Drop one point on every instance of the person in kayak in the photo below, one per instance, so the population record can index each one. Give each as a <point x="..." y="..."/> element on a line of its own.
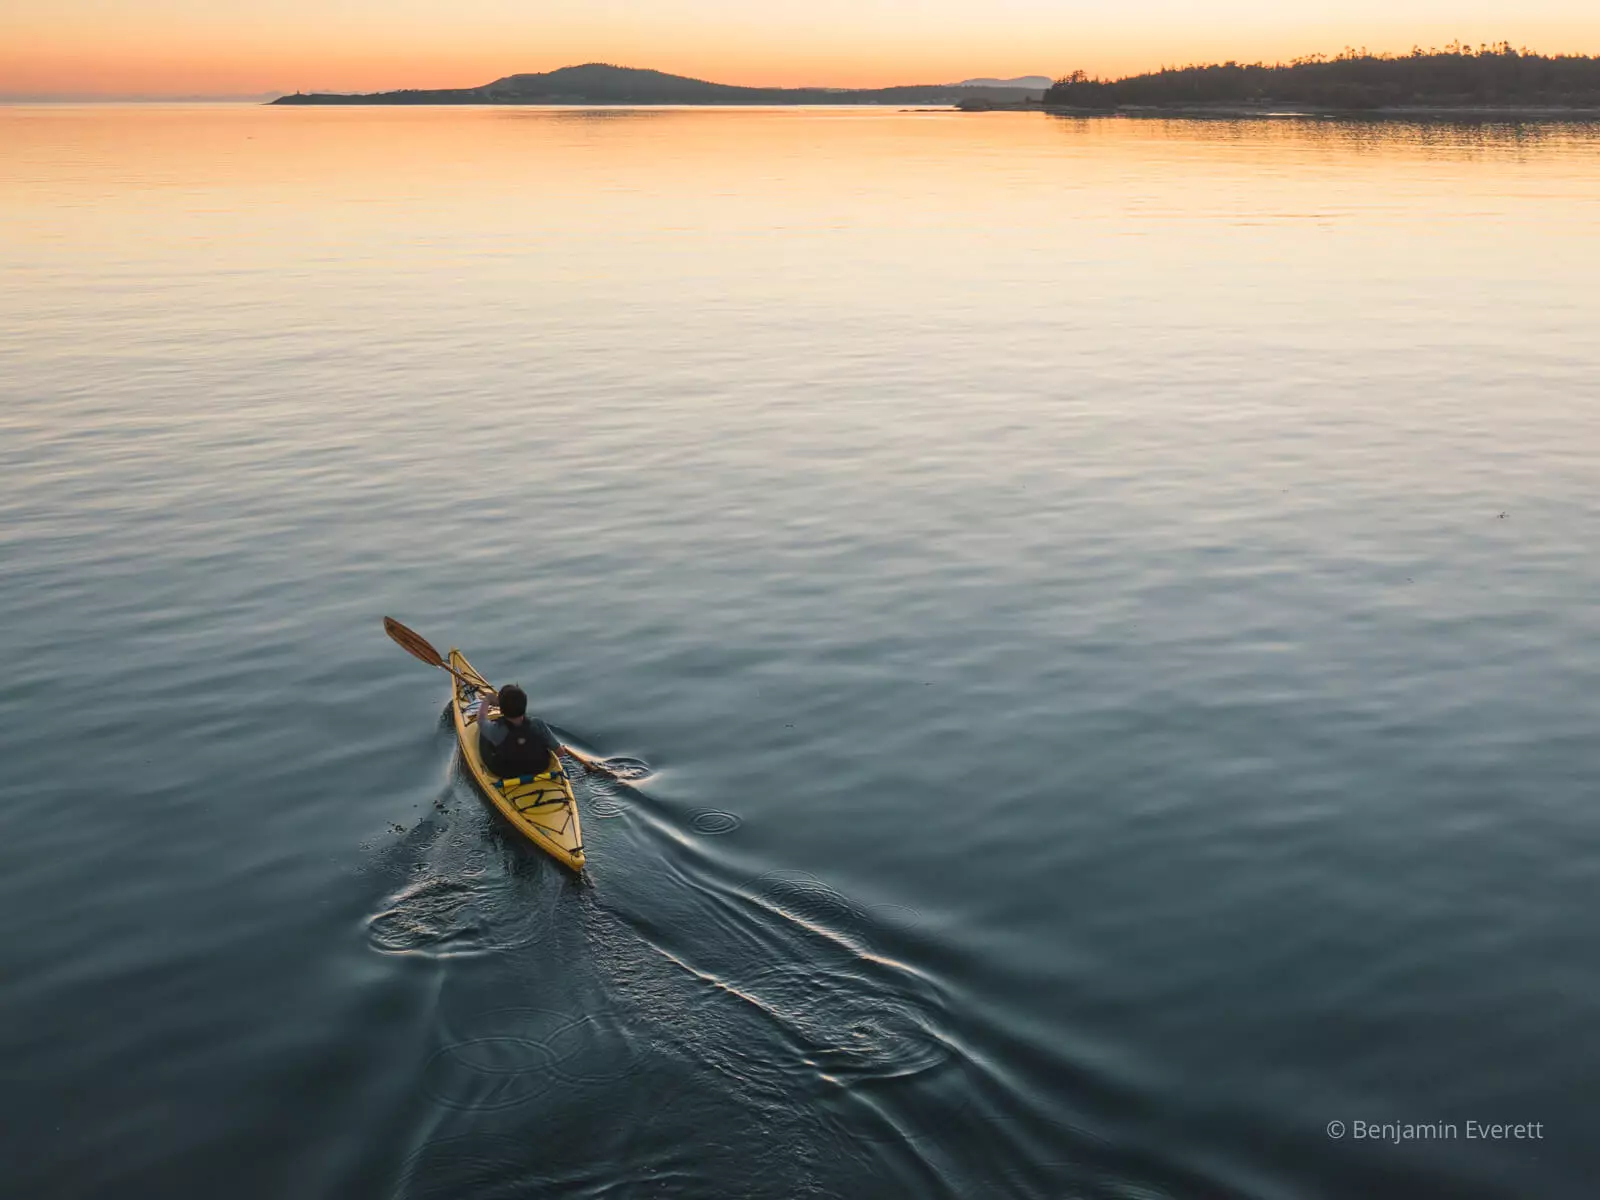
<point x="514" y="743"/>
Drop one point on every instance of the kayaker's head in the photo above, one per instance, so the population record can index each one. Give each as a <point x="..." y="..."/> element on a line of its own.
<point x="513" y="702"/>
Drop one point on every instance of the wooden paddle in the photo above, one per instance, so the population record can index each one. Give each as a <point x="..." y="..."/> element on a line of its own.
<point x="414" y="644"/>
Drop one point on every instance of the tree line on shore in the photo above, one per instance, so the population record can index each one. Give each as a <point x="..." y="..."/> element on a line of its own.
<point x="1457" y="76"/>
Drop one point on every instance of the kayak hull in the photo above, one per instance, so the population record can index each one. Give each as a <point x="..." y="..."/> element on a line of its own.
<point x="542" y="808"/>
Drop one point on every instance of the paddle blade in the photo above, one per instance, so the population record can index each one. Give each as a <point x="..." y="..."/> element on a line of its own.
<point x="413" y="643"/>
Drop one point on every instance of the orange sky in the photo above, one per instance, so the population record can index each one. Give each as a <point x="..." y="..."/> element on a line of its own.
<point x="112" y="47"/>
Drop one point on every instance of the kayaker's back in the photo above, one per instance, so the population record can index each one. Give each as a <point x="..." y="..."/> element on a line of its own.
<point x="526" y="748"/>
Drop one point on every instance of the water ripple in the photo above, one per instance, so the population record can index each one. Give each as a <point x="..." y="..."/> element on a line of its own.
<point x="848" y="1027"/>
<point x="490" y="1072"/>
<point x="475" y="1165"/>
<point x="463" y="909"/>
<point x="802" y="895"/>
<point x="714" y="822"/>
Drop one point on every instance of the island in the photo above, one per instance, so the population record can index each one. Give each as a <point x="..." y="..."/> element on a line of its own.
<point x="604" y="84"/>
<point x="1456" y="79"/>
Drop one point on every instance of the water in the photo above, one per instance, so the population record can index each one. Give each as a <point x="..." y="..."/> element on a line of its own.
<point x="1104" y="613"/>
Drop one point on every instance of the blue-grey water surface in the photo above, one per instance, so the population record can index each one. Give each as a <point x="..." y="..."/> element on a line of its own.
<point x="1109" y="609"/>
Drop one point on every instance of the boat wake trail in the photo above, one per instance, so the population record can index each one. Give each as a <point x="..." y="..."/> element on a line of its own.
<point x="793" y="997"/>
<point x="687" y="1007"/>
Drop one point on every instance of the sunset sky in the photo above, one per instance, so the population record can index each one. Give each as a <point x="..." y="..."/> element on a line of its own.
<point x="175" y="47"/>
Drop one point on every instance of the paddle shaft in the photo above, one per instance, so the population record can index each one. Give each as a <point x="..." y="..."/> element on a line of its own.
<point x="471" y="683"/>
<point x="589" y="764"/>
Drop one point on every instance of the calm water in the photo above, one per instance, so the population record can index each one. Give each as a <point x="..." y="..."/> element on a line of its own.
<point x="1109" y="610"/>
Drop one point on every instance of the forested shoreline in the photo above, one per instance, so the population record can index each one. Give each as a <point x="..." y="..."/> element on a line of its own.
<point x="1457" y="76"/>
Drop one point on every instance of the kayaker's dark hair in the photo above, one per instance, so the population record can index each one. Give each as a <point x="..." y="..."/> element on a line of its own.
<point x="513" y="701"/>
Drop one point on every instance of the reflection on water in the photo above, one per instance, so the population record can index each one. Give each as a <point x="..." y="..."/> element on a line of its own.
<point x="1094" y="618"/>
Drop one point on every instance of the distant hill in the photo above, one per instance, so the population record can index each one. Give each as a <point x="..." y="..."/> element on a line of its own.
<point x="601" y="83"/>
<point x="1030" y="82"/>
<point x="1456" y="77"/>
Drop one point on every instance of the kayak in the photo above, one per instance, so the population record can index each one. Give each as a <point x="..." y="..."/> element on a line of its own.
<point x="540" y="807"/>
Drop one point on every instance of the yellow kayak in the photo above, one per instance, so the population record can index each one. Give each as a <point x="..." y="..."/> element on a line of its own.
<point x="541" y="807"/>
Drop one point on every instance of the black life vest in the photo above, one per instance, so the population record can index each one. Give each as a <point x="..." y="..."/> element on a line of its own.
<point x="509" y="750"/>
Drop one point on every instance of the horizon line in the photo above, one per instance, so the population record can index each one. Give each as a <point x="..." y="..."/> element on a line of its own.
<point x="79" y="96"/>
